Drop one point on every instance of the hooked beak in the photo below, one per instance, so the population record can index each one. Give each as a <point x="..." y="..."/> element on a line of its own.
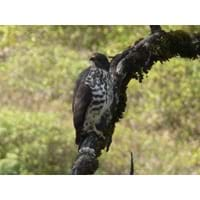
<point x="92" y="58"/>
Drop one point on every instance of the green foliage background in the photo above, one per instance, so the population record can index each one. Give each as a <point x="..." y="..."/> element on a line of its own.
<point x="38" y="69"/>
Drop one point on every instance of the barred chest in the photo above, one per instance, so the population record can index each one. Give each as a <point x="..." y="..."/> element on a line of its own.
<point x="101" y="86"/>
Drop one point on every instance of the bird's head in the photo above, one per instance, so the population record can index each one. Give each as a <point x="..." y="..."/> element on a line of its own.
<point x="100" y="61"/>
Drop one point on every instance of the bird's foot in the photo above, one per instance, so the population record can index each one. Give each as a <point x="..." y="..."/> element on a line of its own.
<point x="100" y="134"/>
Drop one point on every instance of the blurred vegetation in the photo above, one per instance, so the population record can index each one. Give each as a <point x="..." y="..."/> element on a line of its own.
<point x="38" y="69"/>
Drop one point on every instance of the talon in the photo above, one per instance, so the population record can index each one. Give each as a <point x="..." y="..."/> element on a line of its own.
<point x="99" y="133"/>
<point x="101" y="136"/>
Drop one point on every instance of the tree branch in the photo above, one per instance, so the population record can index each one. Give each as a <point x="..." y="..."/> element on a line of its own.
<point x="155" y="28"/>
<point x="133" y="63"/>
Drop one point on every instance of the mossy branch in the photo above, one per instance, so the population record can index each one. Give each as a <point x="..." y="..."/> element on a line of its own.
<point x="133" y="63"/>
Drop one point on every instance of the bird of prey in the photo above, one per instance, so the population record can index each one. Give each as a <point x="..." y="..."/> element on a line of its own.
<point x="93" y="96"/>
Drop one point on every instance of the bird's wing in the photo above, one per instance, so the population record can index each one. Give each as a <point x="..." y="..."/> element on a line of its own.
<point x="81" y="100"/>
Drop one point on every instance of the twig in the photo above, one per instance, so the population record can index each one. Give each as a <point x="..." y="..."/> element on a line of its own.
<point x="132" y="165"/>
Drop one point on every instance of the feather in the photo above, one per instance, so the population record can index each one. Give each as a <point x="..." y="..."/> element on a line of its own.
<point x="81" y="100"/>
